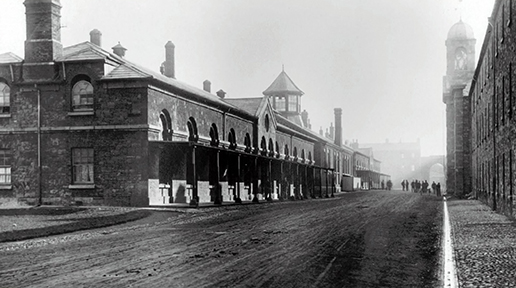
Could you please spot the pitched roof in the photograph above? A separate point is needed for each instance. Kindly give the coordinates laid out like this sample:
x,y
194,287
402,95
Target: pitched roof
x,y
250,105
9,57
86,51
124,69
283,84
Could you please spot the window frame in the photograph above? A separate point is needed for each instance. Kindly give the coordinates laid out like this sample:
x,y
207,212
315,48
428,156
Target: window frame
x,y
6,98
89,107
5,164
87,160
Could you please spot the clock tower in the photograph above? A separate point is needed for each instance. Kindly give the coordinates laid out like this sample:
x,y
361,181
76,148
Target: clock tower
x,y
460,67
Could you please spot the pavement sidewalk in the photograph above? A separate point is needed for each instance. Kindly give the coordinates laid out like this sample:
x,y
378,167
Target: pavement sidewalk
x,y
484,244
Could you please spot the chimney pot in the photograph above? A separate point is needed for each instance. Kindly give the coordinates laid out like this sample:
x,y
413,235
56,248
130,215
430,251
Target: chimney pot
x,y
207,86
119,50
221,94
96,37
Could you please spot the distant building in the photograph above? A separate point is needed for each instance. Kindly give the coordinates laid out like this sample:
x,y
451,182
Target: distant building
x,y
402,160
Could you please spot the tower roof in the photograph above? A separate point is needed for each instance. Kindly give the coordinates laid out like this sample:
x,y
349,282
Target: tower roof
x,y
461,30
283,84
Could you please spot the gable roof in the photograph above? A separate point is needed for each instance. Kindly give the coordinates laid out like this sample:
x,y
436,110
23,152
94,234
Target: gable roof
x,y
9,57
283,85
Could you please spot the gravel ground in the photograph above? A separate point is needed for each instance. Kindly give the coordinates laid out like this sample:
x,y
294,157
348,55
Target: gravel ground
x,y
484,244
373,239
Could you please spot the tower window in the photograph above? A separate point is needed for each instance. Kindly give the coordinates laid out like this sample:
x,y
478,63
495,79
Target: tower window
x,y
280,103
292,103
82,96
5,98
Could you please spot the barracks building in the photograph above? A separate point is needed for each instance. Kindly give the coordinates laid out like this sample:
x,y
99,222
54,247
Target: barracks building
x,y
83,126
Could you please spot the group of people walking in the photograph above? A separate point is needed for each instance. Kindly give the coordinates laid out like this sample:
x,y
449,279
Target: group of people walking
x,y
422,186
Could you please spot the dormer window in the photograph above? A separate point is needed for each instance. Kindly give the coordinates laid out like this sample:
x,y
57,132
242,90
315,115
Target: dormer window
x,y
5,98
82,96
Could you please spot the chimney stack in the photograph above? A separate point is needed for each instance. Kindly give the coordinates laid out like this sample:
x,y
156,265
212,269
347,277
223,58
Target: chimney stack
x,y
338,126
332,131
207,86
321,131
119,50
304,118
43,26
221,94
96,37
168,67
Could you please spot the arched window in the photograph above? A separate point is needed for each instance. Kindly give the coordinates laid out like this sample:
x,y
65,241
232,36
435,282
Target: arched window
x,y
271,148
277,150
192,130
166,123
82,94
285,151
263,146
295,153
303,154
214,135
247,142
5,98
310,155
232,139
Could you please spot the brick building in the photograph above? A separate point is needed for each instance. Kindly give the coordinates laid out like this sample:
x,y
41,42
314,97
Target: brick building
x,y
81,125
492,112
460,55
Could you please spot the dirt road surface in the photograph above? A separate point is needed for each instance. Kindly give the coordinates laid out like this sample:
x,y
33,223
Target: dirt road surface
x,y
364,239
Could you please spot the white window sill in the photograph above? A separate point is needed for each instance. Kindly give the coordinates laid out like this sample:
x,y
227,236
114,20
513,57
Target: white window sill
x,y
81,186
7,115
6,187
81,113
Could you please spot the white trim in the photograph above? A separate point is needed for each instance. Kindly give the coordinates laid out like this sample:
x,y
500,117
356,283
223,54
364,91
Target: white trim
x,y
6,115
81,113
6,187
81,186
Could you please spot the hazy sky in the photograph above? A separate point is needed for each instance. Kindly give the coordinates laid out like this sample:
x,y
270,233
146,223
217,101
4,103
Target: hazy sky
x,y
381,61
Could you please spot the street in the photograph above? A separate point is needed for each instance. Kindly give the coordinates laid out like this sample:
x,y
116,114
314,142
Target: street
x,y
362,239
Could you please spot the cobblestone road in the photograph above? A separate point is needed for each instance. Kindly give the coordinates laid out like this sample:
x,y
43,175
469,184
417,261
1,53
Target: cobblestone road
x,y
484,245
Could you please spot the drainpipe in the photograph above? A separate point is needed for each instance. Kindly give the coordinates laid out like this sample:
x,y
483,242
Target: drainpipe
x,y
40,193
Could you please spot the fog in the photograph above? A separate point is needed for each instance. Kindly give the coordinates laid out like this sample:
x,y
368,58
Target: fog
x,y
381,61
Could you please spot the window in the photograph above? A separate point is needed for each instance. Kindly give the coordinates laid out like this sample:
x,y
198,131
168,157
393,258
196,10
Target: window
x,y
5,98
280,103
292,103
82,161
82,96
5,168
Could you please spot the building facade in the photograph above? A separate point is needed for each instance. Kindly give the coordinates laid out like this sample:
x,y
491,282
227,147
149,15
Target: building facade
x,y
493,123
81,125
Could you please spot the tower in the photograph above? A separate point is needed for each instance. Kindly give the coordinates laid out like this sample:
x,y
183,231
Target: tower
x,y
286,98
460,67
